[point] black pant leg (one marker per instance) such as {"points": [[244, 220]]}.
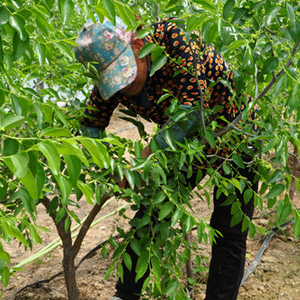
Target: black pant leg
{"points": [[228, 253]]}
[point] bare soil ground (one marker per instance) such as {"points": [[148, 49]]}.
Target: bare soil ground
{"points": [[275, 278]]}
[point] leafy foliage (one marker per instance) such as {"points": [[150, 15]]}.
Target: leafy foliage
{"points": [[44, 158]]}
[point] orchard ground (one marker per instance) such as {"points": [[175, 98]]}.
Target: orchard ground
{"points": [[275, 278]]}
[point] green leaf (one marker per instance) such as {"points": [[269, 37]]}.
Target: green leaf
{"points": [[270, 65], [60, 214], [20, 159], [87, 191], [126, 14], [26, 199], [70, 147], [110, 8], [172, 285], [226, 169], [236, 218], [228, 8], [18, 23], [130, 178], [67, 224], [155, 263], [210, 29], [247, 58], [165, 210], [98, 152], [248, 194], [281, 83], [275, 191], [65, 188], [73, 168], [10, 121], [284, 213], [50, 152], [239, 14], [145, 220], [20, 105], [10, 146], [187, 224], [291, 13], [63, 132], [169, 138], [113, 141], [245, 224], [19, 46], [158, 63], [271, 14], [4, 15], [194, 21], [176, 216], [53, 205], [159, 197], [3, 188], [8, 62], [67, 8], [205, 4], [64, 50], [276, 176], [34, 235], [210, 138], [41, 53], [141, 271], [40, 178], [297, 228], [238, 160], [147, 49], [127, 260], [143, 259], [5, 276], [1, 60], [136, 247], [4, 255]]}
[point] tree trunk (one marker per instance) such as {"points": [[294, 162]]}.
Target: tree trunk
{"points": [[69, 250], [70, 274], [189, 267], [294, 174]]}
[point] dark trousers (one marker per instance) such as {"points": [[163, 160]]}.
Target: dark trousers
{"points": [[228, 253]]}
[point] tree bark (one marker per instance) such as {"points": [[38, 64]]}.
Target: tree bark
{"points": [[70, 274], [70, 251], [294, 174]]}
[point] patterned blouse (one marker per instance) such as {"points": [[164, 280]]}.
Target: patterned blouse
{"points": [[178, 80]]}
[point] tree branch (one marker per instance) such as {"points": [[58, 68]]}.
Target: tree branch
{"points": [[294, 174], [86, 225], [60, 226]]}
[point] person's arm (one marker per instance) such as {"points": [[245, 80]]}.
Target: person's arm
{"points": [[97, 114]]}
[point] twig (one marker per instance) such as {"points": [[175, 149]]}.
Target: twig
{"points": [[294, 174], [189, 267], [255, 81], [86, 225]]}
